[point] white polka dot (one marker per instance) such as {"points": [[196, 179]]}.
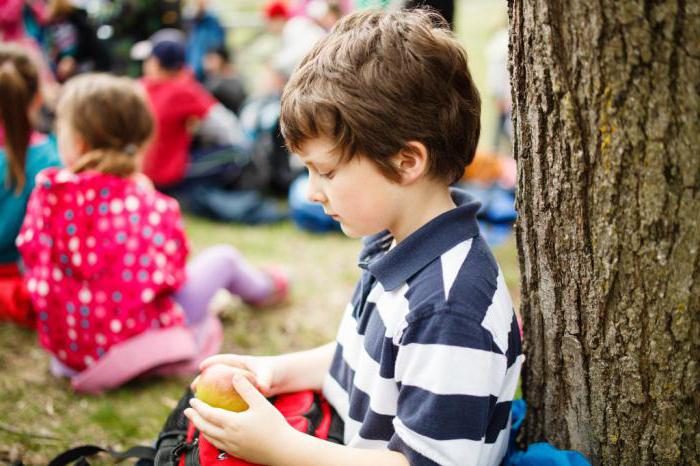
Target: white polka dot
{"points": [[116, 206], [89, 361], [115, 326], [29, 234], [74, 244], [131, 203], [80, 199], [160, 260], [92, 258], [90, 241], [77, 259], [154, 218], [147, 295], [72, 334], [100, 339], [157, 277], [85, 296], [31, 285], [70, 320], [90, 194], [51, 199], [63, 176], [42, 288], [57, 274], [161, 205], [170, 247]]}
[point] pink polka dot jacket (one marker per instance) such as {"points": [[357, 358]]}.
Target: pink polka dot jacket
{"points": [[102, 257]]}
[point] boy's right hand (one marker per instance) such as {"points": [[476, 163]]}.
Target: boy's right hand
{"points": [[260, 370]]}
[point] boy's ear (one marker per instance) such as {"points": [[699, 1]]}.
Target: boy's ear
{"points": [[412, 162]]}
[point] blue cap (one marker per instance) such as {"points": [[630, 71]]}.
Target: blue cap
{"points": [[166, 45], [170, 54]]}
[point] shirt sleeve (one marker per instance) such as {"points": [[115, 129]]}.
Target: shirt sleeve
{"points": [[450, 373], [194, 101]]}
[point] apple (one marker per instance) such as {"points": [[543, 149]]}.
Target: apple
{"points": [[215, 388]]}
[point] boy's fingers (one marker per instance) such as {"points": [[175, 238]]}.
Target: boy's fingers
{"points": [[216, 442], [202, 423], [248, 392], [248, 375], [228, 359], [214, 416], [193, 385]]}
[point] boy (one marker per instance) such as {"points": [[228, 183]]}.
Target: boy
{"points": [[180, 104], [385, 115], [200, 177]]}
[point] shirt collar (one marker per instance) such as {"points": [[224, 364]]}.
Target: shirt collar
{"points": [[430, 241]]}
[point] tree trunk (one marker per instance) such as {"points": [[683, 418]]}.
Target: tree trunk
{"points": [[607, 140]]}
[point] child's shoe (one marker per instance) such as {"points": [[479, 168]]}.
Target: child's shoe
{"points": [[280, 289]]}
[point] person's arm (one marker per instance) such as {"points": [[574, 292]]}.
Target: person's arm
{"points": [[221, 126], [304, 370]]}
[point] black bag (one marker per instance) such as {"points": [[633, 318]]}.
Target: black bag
{"points": [[179, 440]]}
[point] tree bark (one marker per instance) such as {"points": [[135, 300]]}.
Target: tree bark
{"points": [[606, 116]]}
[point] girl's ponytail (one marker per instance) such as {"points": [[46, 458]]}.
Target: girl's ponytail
{"points": [[19, 84]]}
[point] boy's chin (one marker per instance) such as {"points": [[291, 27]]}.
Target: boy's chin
{"points": [[355, 233]]}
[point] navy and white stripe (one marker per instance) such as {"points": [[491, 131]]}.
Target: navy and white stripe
{"points": [[428, 353]]}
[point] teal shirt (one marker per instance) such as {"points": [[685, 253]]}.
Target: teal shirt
{"points": [[13, 205]]}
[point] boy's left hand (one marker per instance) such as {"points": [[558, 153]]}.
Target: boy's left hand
{"points": [[251, 435]]}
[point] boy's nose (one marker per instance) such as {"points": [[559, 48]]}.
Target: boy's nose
{"points": [[313, 193]]}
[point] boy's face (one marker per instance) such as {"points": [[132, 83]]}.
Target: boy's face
{"points": [[354, 193]]}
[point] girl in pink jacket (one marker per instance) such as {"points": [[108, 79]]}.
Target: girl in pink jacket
{"points": [[105, 253]]}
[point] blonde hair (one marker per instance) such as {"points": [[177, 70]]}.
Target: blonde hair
{"points": [[111, 116], [19, 85]]}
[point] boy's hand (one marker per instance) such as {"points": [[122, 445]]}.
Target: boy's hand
{"points": [[260, 370], [250, 435]]}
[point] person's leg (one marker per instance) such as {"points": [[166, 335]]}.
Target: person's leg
{"points": [[216, 268]]}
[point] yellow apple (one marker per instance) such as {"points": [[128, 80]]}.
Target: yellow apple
{"points": [[215, 388]]}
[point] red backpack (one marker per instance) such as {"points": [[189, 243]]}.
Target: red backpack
{"points": [[180, 443]]}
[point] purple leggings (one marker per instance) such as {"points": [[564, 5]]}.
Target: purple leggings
{"points": [[216, 268]]}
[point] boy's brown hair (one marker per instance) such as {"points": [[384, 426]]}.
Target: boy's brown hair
{"points": [[378, 81], [111, 115]]}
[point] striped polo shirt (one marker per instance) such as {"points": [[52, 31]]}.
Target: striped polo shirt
{"points": [[428, 351]]}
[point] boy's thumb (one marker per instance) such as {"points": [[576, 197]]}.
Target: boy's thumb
{"points": [[247, 390]]}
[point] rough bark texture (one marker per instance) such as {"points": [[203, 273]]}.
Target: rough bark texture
{"points": [[607, 140]]}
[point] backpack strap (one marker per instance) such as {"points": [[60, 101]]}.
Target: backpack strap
{"points": [[79, 454]]}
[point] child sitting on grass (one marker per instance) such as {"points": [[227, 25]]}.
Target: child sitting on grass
{"points": [[23, 154], [105, 253], [385, 115]]}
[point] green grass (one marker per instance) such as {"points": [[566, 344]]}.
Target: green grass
{"points": [[41, 416]]}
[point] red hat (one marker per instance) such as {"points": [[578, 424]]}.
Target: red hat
{"points": [[276, 9]]}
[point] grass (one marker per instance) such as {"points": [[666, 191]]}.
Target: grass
{"points": [[41, 416]]}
